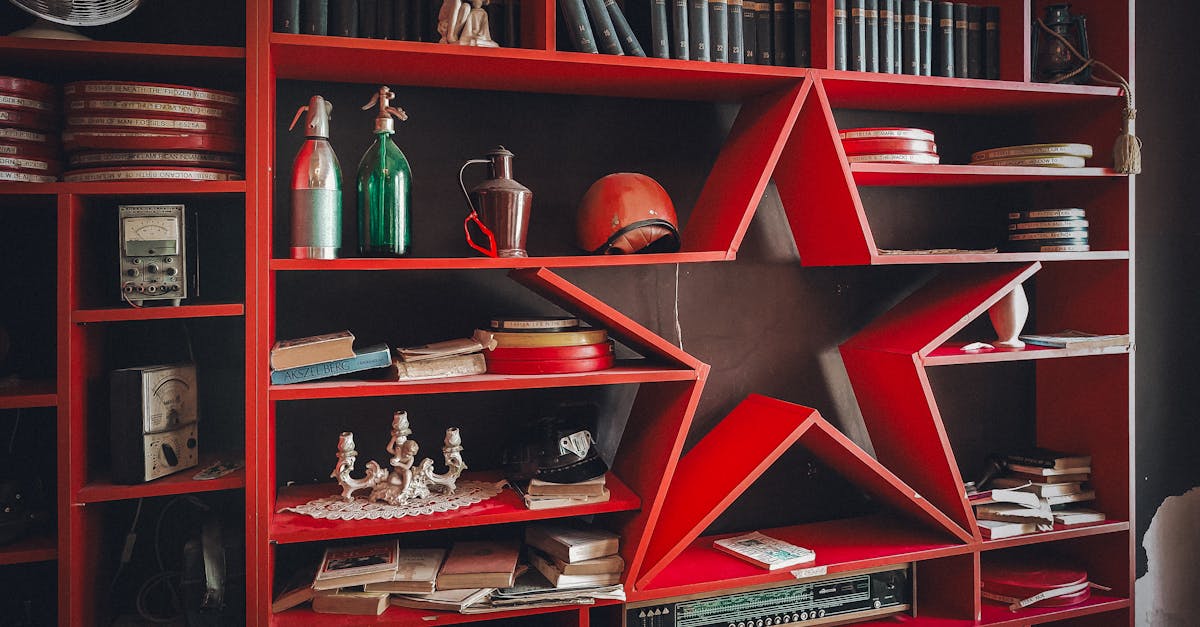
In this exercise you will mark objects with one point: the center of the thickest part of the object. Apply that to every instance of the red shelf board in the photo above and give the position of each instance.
(35, 549)
(475, 263)
(905, 175)
(306, 57)
(305, 617)
(892, 92)
(49, 47)
(101, 489)
(951, 353)
(1092, 255)
(157, 312)
(840, 545)
(1060, 532)
(125, 188)
(996, 615)
(22, 394)
(622, 373)
(506, 507)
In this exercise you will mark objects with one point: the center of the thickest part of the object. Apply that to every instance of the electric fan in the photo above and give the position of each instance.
(56, 17)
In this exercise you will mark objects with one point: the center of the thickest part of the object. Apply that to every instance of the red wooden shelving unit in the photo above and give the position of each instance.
(662, 502)
(38, 548)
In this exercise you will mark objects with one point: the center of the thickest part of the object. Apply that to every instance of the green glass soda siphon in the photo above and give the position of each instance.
(384, 187)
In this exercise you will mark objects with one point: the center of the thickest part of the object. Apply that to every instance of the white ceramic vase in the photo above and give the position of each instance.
(1008, 317)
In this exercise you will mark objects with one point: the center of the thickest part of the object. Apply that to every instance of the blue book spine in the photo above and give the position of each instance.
(377, 356)
(736, 36)
(681, 46)
(840, 36)
(698, 29)
(660, 46)
(718, 27)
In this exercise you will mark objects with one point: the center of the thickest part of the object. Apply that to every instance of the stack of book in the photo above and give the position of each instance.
(451, 358)
(539, 494)
(323, 356)
(1039, 488)
(917, 37)
(726, 31)
(575, 556)
(599, 26)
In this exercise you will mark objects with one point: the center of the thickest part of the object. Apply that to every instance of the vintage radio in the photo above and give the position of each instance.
(835, 600)
(153, 422)
(153, 255)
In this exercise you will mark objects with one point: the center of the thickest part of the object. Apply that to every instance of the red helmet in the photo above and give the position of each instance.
(627, 213)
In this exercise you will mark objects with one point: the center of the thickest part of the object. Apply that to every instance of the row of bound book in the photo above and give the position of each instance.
(557, 564)
(917, 37)
(401, 20)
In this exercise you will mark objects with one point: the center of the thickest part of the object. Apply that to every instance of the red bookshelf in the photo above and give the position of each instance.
(25, 393)
(39, 548)
(100, 488)
(158, 313)
(406, 616)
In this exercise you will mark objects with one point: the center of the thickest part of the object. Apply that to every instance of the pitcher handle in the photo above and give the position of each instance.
(490, 251)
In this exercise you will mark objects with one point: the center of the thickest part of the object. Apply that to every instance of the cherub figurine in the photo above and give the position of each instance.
(475, 30)
(451, 18)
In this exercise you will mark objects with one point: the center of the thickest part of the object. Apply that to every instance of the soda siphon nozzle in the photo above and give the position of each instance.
(319, 111)
(383, 121)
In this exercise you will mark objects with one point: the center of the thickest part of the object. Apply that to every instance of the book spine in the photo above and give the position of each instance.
(943, 64)
(974, 41)
(362, 361)
(629, 42)
(315, 17)
(420, 27)
(660, 44)
(766, 50)
(925, 32)
(910, 32)
(858, 35)
(384, 10)
(737, 52)
(898, 36)
(749, 32)
(287, 16)
(871, 35)
(960, 40)
(577, 22)
(400, 20)
(781, 32)
(718, 26)
(367, 11)
(343, 18)
(991, 43)
(840, 55)
(698, 29)
(606, 35)
(681, 48)
(512, 23)
(887, 46)
(802, 33)
(1028, 460)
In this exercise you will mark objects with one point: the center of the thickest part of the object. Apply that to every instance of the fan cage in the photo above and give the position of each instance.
(79, 12)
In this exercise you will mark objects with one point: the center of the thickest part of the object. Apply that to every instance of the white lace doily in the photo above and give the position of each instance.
(334, 508)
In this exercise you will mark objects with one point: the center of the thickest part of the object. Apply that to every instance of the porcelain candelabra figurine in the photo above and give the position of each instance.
(404, 481)
(465, 24)
(1008, 317)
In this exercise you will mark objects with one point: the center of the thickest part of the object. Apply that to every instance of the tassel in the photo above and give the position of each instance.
(1127, 150)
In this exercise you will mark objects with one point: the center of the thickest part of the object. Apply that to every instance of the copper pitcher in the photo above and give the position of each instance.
(499, 207)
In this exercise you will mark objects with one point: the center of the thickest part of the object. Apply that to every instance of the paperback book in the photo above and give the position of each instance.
(572, 544)
(765, 551)
(357, 564)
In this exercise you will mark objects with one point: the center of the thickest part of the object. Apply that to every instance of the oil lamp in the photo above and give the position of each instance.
(1053, 61)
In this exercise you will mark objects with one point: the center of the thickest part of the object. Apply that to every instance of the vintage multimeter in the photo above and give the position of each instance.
(154, 416)
(153, 253)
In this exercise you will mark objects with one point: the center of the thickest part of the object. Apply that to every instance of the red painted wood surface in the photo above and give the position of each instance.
(120, 55)
(483, 263)
(996, 615)
(402, 616)
(101, 488)
(125, 188)
(506, 507)
(905, 175)
(23, 394)
(952, 353)
(38, 548)
(152, 312)
(936, 94)
(1060, 532)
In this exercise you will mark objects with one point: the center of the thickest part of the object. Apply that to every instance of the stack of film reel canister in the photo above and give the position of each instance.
(1048, 231)
(1036, 155)
(127, 131)
(29, 150)
(889, 145)
(546, 345)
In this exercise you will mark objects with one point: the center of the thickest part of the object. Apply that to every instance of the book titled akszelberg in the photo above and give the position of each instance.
(377, 356)
(765, 551)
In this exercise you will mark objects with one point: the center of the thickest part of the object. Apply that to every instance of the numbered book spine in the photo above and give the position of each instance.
(384, 17)
(887, 46)
(736, 47)
(718, 27)
(343, 18)
(660, 44)
(897, 36)
(781, 32)
(681, 47)
(766, 49)
(943, 49)
(287, 16)
(858, 35)
(960, 40)
(749, 32)
(602, 27)
(315, 17)
(974, 41)
(991, 43)
(925, 32)
(629, 43)
(802, 33)
(698, 29)
(840, 36)
(576, 21)
(910, 32)
(871, 34)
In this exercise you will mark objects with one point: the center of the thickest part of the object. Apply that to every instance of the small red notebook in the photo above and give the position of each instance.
(1024, 580)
